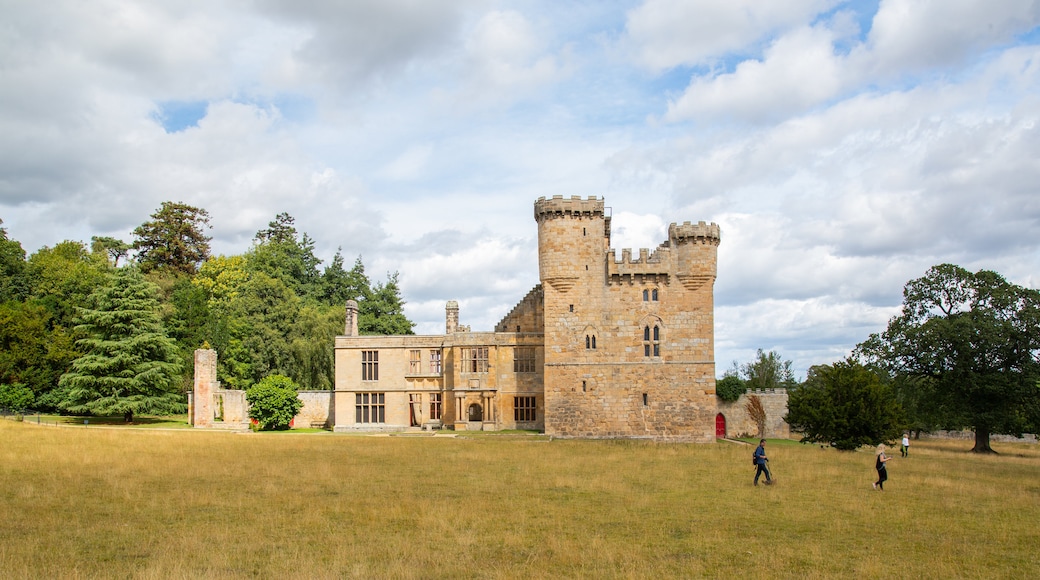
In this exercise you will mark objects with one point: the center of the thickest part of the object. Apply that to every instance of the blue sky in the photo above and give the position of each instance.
(843, 147)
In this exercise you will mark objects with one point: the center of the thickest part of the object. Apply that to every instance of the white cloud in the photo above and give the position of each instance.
(668, 33)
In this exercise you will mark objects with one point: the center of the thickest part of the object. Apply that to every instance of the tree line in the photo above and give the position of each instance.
(112, 327)
(964, 353)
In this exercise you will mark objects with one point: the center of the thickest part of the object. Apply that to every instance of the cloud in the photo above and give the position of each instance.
(669, 33)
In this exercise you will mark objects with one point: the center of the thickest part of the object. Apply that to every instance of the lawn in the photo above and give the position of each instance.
(147, 503)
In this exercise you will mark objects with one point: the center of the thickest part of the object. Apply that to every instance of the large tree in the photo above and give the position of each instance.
(13, 284)
(174, 240)
(845, 405)
(130, 365)
(973, 341)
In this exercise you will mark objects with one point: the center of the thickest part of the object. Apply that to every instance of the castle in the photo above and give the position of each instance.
(601, 347)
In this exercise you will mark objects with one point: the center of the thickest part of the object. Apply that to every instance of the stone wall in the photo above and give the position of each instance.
(738, 424)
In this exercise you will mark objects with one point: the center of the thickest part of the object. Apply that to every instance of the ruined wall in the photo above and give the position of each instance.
(738, 424)
(527, 316)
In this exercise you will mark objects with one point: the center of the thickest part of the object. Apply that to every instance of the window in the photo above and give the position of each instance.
(523, 359)
(590, 342)
(646, 295)
(523, 409)
(435, 406)
(435, 362)
(414, 362)
(653, 295)
(652, 341)
(649, 295)
(369, 407)
(475, 360)
(370, 365)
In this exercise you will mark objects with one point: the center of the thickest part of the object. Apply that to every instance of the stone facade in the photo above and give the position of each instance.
(602, 347)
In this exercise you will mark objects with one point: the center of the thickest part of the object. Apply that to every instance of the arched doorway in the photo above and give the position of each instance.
(476, 412)
(720, 425)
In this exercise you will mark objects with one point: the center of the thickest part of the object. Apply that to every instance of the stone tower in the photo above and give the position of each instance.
(629, 344)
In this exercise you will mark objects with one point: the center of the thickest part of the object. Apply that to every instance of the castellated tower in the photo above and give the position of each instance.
(629, 342)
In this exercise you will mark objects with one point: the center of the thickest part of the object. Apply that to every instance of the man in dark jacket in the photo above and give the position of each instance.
(760, 463)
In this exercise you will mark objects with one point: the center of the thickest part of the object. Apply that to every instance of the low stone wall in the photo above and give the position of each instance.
(738, 424)
(316, 410)
(1025, 438)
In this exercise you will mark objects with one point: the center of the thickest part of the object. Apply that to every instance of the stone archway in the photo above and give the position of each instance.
(475, 413)
(720, 425)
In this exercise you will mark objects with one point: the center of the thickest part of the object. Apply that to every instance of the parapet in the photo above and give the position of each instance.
(699, 233)
(575, 206)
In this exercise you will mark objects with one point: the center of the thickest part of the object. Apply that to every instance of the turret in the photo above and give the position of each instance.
(451, 317)
(573, 236)
(696, 248)
(351, 328)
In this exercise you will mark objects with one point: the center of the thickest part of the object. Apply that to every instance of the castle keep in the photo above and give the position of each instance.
(601, 347)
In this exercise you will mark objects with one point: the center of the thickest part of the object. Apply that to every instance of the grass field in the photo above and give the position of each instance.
(150, 503)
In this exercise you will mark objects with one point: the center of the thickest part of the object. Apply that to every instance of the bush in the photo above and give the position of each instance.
(729, 388)
(273, 402)
(16, 397)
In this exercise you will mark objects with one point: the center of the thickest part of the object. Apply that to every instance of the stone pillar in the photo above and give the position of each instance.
(352, 319)
(205, 383)
(451, 317)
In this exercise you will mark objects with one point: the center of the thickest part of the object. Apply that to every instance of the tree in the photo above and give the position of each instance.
(173, 242)
(729, 388)
(767, 371)
(61, 278)
(383, 311)
(757, 413)
(845, 405)
(280, 253)
(13, 285)
(130, 365)
(973, 340)
(113, 248)
(273, 402)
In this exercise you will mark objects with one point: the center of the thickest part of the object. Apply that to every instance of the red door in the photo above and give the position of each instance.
(720, 425)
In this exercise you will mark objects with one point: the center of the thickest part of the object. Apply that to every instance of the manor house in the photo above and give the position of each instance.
(602, 347)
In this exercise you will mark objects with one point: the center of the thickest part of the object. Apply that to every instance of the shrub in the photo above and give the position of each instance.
(729, 388)
(273, 402)
(16, 397)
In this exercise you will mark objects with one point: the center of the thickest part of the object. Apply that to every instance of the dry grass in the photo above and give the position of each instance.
(86, 502)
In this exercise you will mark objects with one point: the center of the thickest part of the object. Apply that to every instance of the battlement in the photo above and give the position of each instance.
(575, 206)
(698, 233)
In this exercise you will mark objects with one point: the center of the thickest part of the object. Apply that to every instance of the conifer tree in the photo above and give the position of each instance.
(130, 365)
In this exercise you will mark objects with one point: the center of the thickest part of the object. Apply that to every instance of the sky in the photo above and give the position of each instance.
(842, 147)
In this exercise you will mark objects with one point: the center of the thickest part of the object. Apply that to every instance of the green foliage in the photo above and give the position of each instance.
(729, 388)
(969, 342)
(16, 397)
(32, 352)
(382, 311)
(282, 254)
(62, 277)
(174, 240)
(273, 402)
(767, 371)
(845, 405)
(113, 249)
(130, 365)
(13, 283)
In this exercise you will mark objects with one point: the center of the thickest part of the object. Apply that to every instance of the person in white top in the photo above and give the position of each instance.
(906, 444)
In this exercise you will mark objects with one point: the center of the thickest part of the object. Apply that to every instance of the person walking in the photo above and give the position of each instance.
(879, 463)
(906, 444)
(760, 463)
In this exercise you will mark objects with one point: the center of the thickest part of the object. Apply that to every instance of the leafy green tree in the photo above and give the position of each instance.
(845, 405)
(130, 365)
(61, 278)
(281, 253)
(173, 241)
(729, 388)
(16, 397)
(273, 402)
(13, 283)
(339, 285)
(767, 371)
(114, 249)
(32, 351)
(382, 312)
(974, 341)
